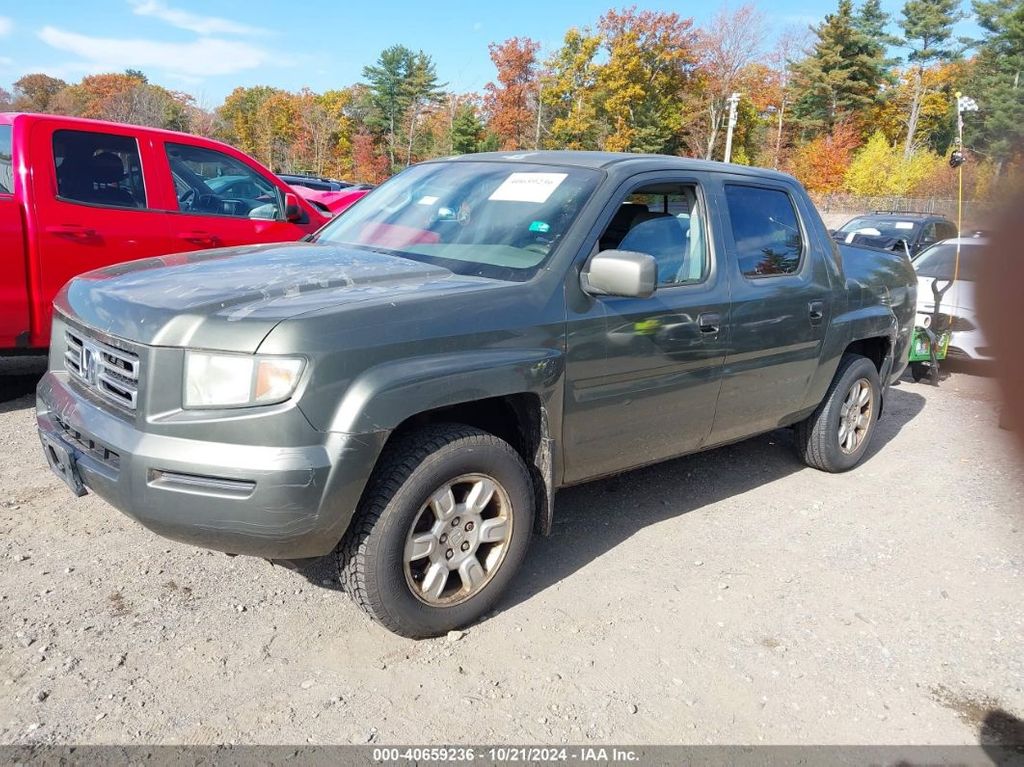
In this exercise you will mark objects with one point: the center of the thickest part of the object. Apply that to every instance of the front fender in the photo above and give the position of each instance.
(384, 396)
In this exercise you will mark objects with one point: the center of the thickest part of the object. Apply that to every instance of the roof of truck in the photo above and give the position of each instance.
(608, 160)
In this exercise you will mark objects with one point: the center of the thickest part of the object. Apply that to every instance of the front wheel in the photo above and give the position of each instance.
(442, 528)
(836, 436)
(920, 371)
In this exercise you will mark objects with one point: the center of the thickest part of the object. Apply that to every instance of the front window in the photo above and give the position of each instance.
(212, 183)
(941, 261)
(491, 219)
(6, 161)
(666, 221)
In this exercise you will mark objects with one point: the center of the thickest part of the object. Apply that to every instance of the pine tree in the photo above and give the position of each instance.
(997, 84)
(928, 34)
(466, 130)
(840, 77)
(872, 22)
(401, 83)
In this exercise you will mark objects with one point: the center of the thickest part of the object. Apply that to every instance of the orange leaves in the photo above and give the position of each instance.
(512, 101)
(821, 163)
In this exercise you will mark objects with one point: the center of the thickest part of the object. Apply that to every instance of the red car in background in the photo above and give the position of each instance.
(330, 195)
(331, 203)
(78, 194)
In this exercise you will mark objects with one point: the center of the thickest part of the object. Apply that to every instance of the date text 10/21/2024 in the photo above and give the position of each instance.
(505, 754)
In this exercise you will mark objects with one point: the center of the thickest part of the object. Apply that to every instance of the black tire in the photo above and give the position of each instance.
(371, 556)
(919, 371)
(817, 437)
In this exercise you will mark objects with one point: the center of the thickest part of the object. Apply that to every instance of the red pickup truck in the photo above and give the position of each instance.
(79, 194)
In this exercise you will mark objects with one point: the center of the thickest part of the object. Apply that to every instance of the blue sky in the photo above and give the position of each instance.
(209, 48)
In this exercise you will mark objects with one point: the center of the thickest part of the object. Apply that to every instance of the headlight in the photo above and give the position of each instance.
(234, 380)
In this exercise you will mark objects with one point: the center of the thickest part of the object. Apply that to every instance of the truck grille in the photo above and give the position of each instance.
(112, 373)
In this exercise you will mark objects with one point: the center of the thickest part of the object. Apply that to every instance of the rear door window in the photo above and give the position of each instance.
(6, 160)
(98, 169)
(765, 231)
(211, 183)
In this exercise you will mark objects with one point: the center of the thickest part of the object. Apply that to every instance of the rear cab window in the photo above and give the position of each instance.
(6, 160)
(765, 230)
(211, 183)
(98, 169)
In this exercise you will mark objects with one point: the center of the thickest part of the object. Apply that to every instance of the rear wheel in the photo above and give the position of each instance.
(836, 436)
(919, 371)
(441, 530)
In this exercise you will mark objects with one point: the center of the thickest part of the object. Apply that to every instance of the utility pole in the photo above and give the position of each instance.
(540, 93)
(733, 101)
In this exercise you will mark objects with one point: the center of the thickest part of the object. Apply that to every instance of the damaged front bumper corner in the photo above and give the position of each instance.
(282, 503)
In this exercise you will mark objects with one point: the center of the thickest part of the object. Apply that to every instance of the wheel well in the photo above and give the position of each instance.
(520, 420)
(875, 349)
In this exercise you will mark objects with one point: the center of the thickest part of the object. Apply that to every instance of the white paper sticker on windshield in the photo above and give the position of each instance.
(904, 224)
(427, 200)
(528, 187)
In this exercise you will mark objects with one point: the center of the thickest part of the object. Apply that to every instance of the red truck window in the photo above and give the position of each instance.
(98, 169)
(209, 182)
(6, 161)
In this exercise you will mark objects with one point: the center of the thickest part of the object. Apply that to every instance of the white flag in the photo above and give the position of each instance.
(967, 104)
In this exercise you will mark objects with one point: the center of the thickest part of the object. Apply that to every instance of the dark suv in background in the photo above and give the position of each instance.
(897, 230)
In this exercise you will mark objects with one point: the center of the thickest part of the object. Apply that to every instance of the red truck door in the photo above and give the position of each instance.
(92, 204)
(220, 199)
(14, 313)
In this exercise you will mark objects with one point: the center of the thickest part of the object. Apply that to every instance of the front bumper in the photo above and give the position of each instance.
(274, 502)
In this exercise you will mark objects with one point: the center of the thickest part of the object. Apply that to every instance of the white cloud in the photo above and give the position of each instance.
(205, 57)
(194, 22)
(6, 25)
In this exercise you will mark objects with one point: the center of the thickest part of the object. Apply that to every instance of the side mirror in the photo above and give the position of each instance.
(620, 273)
(292, 209)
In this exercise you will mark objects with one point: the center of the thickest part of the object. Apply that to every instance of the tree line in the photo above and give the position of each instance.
(859, 102)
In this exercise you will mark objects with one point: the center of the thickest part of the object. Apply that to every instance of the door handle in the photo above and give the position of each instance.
(709, 323)
(198, 238)
(816, 311)
(72, 231)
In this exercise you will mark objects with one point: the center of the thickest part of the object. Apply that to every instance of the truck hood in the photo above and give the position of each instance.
(231, 298)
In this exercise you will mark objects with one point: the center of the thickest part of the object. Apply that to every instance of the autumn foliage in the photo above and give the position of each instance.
(863, 101)
(511, 101)
(822, 162)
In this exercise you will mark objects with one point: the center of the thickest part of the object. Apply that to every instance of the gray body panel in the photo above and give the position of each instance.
(387, 339)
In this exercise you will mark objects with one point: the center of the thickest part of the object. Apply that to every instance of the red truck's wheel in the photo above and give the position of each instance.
(836, 436)
(442, 528)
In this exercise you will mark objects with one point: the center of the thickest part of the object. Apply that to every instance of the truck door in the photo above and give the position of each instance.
(643, 373)
(781, 306)
(14, 312)
(219, 200)
(91, 204)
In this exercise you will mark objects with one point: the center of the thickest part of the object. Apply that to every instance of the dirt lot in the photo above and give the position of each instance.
(730, 597)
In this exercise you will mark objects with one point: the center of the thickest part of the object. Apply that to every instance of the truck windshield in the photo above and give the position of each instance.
(6, 160)
(491, 219)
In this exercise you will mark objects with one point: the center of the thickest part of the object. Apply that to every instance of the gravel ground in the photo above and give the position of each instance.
(729, 597)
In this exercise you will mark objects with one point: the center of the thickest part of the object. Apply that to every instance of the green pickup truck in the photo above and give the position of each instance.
(408, 389)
